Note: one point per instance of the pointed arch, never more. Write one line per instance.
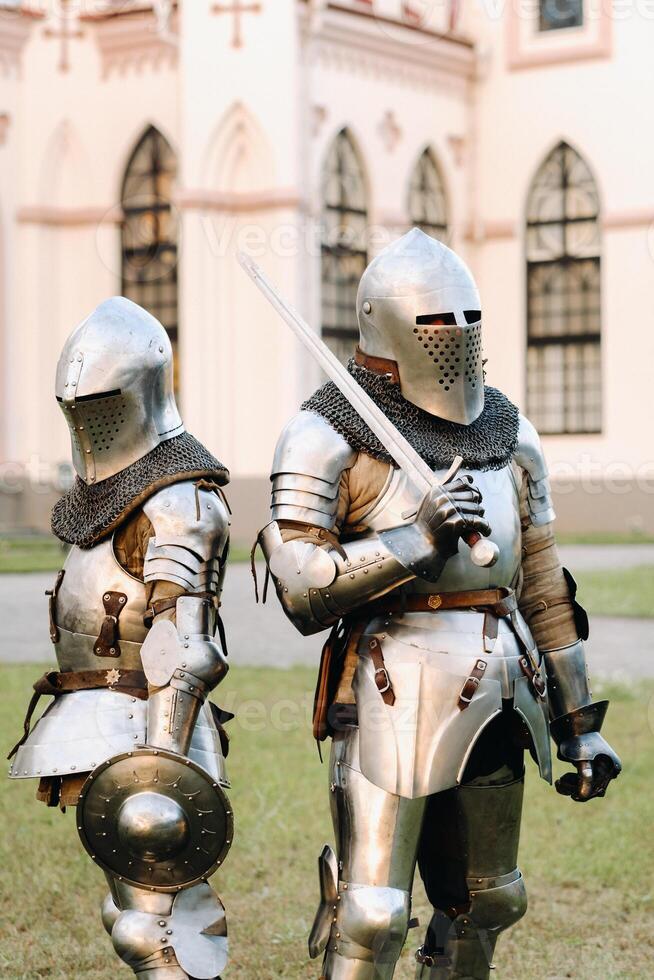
(563, 256)
(344, 248)
(427, 203)
(64, 176)
(239, 157)
(149, 230)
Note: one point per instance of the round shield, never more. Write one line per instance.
(154, 818)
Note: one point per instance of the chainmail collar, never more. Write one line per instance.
(85, 515)
(487, 444)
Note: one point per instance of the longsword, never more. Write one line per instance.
(484, 552)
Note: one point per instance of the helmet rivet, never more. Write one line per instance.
(161, 350)
(367, 307)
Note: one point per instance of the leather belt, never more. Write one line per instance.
(500, 601)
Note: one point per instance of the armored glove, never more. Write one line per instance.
(445, 514)
(576, 724)
(578, 738)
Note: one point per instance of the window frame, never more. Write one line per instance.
(427, 226)
(159, 209)
(335, 334)
(567, 260)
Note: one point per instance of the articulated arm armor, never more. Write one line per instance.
(182, 660)
(560, 625)
(318, 580)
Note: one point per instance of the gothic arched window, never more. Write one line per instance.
(564, 390)
(149, 230)
(427, 199)
(344, 251)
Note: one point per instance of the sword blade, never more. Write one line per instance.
(399, 448)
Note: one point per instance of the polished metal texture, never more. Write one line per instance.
(567, 674)
(530, 457)
(412, 283)
(422, 743)
(183, 662)
(168, 936)
(309, 461)
(155, 819)
(316, 586)
(322, 926)
(399, 502)
(377, 838)
(115, 387)
(89, 575)
(469, 940)
(82, 729)
(191, 528)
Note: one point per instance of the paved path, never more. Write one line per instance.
(260, 635)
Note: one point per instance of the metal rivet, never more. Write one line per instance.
(367, 307)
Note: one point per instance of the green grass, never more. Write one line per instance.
(31, 553)
(627, 592)
(605, 537)
(589, 868)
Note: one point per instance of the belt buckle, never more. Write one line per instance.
(435, 601)
(387, 682)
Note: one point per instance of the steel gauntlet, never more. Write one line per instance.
(183, 662)
(576, 721)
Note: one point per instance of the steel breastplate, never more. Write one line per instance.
(399, 501)
(79, 610)
(420, 744)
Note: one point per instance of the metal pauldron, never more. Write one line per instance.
(317, 585)
(184, 662)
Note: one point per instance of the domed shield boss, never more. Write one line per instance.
(155, 819)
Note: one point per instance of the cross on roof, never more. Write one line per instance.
(66, 32)
(237, 8)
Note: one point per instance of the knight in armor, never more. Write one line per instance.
(438, 673)
(130, 738)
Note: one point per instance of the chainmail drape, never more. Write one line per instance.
(87, 514)
(487, 444)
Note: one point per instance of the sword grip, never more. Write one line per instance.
(484, 553)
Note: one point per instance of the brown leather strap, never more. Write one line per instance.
(533, 674)
(52, 605)
(54, 684)
(378, 365)
(491, 629)
(500, 601)
(124, 681)
(471, 684)
(107, 644)
(382, 679)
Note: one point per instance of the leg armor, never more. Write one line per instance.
(468, 861)
(366, 893)
(167, 937)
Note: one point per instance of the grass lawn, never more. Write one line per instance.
(589, 868)
(31, 553)
(627, 592)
